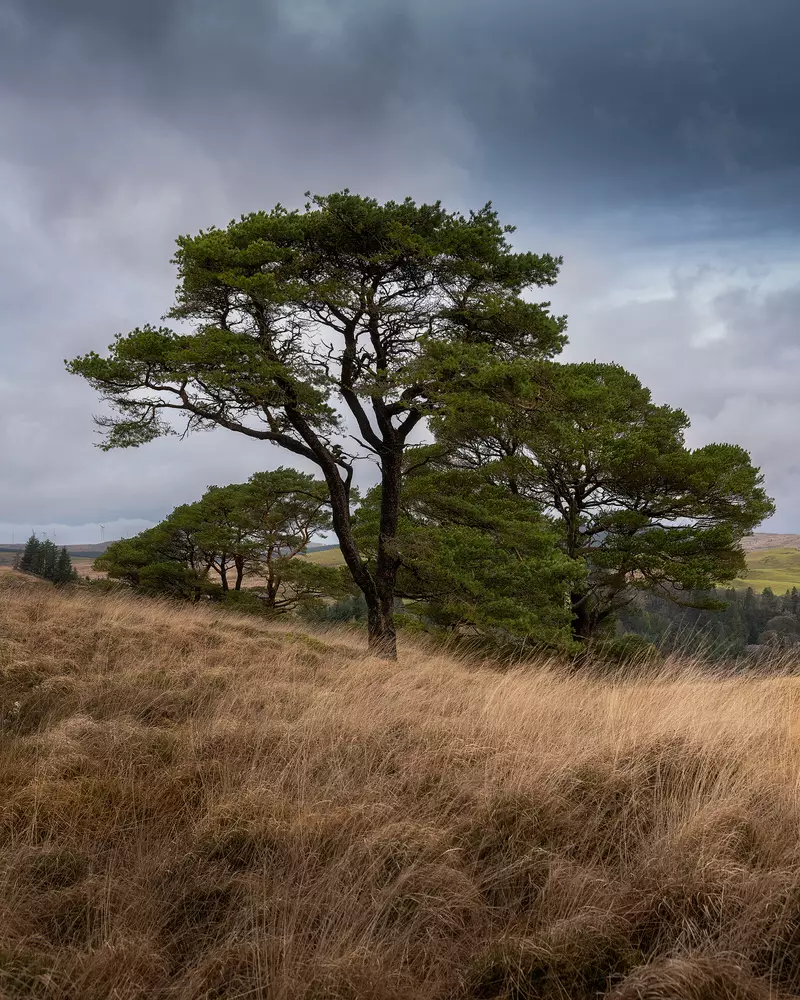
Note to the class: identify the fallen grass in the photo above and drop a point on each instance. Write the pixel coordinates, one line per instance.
(195, 805)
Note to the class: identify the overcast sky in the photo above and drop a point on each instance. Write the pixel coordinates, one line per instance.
(656, 145)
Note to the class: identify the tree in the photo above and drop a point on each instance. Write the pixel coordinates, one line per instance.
(160, 560)
(395, 311)
(215, 532)
(64, 572)
(260, 526)
(285, 509)
(586, 443)
(30, 555)
(782, 631)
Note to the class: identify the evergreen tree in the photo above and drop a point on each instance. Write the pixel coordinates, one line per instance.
(640, 510)
(64, 573)
(29, 555)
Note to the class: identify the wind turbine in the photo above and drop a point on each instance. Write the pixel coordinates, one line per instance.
(102, 533)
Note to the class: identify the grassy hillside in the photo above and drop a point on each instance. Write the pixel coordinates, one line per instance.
(196, 805)
(329, 556)
(778, 568)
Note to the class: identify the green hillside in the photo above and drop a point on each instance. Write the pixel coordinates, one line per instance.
(776, 568)
(328, 556)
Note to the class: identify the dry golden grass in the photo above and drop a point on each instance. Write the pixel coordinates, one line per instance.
(195, 805)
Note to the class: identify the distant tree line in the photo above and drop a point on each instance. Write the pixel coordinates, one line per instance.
(733, 623)
(45, 559)
(546, 497)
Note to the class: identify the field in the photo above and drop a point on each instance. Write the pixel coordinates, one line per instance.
(326, 557)
(778, 568)
(197, 805)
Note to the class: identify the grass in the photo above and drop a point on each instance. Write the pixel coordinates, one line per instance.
(326, 557)
(195, 805)
(778, 568)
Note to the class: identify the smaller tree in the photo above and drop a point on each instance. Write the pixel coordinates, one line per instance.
(586, 444)
(258, 527)
(30, 555)
(64, 572)
(284, 510)
(160, 560)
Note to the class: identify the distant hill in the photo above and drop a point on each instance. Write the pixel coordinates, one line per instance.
(776, 568)
(76, 550)
(765, 540)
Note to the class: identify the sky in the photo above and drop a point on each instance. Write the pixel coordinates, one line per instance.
(656, 146)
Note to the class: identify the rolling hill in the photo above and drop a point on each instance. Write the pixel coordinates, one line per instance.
(777, 568)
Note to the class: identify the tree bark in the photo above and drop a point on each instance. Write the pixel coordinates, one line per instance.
(239, 562)
(381, 630)
(223, 572)
(380, 613)
(581, 620)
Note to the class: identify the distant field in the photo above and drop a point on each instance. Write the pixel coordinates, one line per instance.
(327, 557)
(776, 568)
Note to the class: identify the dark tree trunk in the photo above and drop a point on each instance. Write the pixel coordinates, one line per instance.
(239, 563)
(223, 573)
(581, 619)
(380, 615)
(272, 588)
(377, 588)
(381, 631)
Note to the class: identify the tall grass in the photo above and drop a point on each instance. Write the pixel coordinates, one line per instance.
(194, 805)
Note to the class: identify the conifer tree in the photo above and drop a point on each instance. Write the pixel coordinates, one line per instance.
(64, 573)
(29, 555)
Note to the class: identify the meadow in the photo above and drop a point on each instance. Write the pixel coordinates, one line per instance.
(777, 568)
(200, 805)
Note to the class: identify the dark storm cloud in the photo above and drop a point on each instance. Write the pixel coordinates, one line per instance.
(612, 132)
(638, 99)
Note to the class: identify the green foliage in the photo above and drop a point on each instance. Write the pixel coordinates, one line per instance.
(475, 558)
(44, 559)
(585, 444)
(258, 527)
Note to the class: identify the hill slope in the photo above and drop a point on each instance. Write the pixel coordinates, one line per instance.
(766, 540)
(778, 568)
(198, 805)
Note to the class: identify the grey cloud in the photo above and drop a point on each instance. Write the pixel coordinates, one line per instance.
(730, 358)
(614, 133)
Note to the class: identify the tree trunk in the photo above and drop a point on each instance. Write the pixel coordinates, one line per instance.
(239, 563)
(381, 630)
(223, 572)
(377, 588)
(581, 620)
